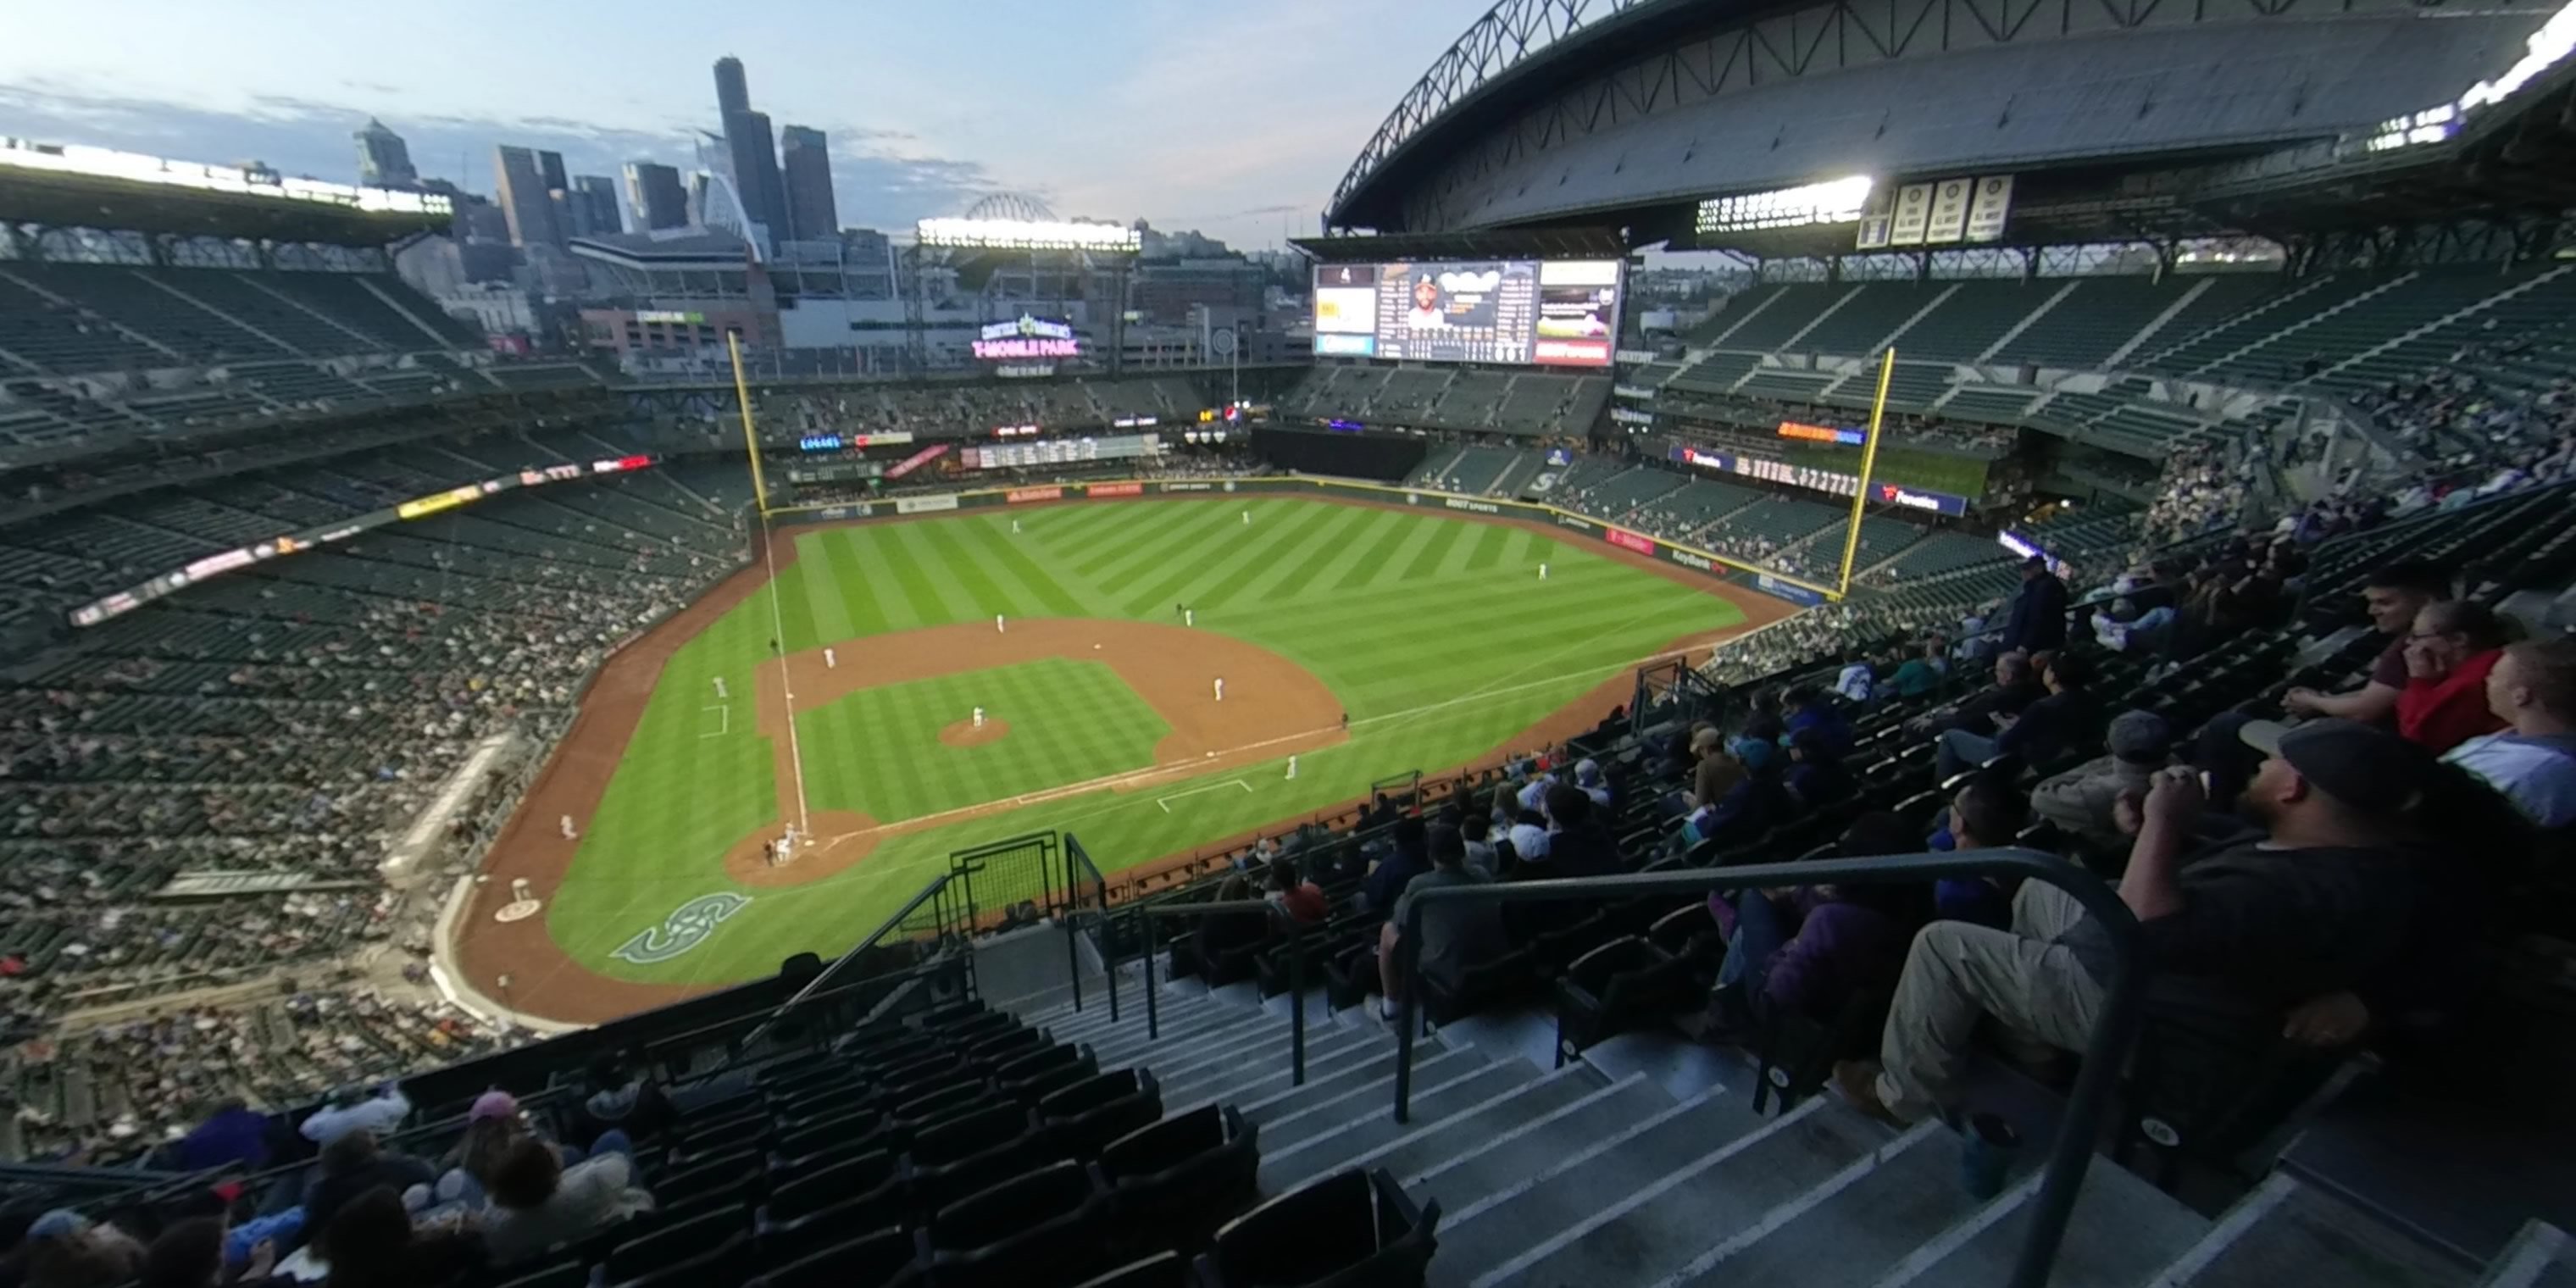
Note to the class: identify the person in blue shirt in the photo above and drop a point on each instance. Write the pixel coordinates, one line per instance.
(1409, 859)
(1803, 710)
(2532, 688)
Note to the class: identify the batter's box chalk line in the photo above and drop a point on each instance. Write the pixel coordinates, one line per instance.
(724, 720)
(1166, 801)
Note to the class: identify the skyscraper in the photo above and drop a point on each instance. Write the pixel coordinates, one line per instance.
(755, 170)
(525, 197)
(654, 192)
(733, 92)
(594, 205)
(550, 165)
(383, 159)
(811, 213)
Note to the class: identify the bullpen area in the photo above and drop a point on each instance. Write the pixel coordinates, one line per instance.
(908, 687)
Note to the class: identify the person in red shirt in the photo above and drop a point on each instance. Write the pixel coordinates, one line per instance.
(2393, 595)
(1303, 900)
(2453, 646)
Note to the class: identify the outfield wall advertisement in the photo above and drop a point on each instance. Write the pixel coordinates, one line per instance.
(1795, 591)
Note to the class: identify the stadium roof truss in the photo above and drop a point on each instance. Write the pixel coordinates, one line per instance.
(1577, 110)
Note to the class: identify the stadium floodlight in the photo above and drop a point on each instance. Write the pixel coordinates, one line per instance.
(1029, 234)
(1835, 201)
(135, 167)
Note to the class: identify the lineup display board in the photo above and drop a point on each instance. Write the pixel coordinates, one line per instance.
(1549, 313)
(1061, 451)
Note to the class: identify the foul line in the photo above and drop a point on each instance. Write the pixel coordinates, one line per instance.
(724, 720)
(1166, 801)
(786, 687)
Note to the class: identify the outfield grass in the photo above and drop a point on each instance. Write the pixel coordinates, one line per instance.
(1434, 633)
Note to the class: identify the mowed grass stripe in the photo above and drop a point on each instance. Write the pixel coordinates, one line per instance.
(1041, 589)
(1492, 541)
(1204, 564)
(1300, 562)
(946, 584)
(1278, 542)
(1139, 564)
(1444, 538)
(1373, 560)
(879, 565)
(1390, 572)
(975, 576)
(1360, 531)
(861, 613)
(1108, 557)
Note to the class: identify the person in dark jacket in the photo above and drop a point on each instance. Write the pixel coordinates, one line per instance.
(2062, 722)
(1816, 776)
(2038, 618)
(1409, 858)
(353, 1165)
(1812, 949)
(233, 1133)
(1805, 710)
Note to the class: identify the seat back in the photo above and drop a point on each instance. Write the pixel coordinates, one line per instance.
(972, 1134)
(1162, 1270)
(829, 1184)
(868, 1259)
(924, 1108)
(1346, 1230)
(672, 1244)
(994, 1214)
(1090, 1093)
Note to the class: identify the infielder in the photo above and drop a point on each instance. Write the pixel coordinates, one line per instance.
(997, 624)
(831, 660)
(1015, 527)
(1292, 766)
(1220, 688)
(1189, 617)
(569, 833)
(1247, 518)
(979, 717)
(787, 842)
(1542, 572)
(720, 693)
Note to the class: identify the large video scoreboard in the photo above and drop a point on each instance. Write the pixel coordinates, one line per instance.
(1550, 313)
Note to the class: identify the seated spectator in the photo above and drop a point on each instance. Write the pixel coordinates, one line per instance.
(2532, 688)
(1220, 933)
(1476, 827)
(2081, 799)
(1587, 776)
(190, 1254)
(1809, 950)
(1816, 775)
(537, 1203)
(2320, 901)
(233, 1133)
(2045, 730)
(2016, 686)
(1712, 771)
(1803, 709)
(1754, 802)
(2393, 596)
(1528, 836)
(2126, 627)
(493, 1127)
(373, 1244)
(352, 1165)
(1455, 936)
(2454, 645)
(1855, 679)
(1987, 814)
(64, 1249)
(1579, 843)
(623, 1098)
(1397, 868)
(1921, 673)
(1299, 898)
(355, 1110)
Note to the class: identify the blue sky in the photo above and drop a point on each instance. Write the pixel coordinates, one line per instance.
(1233, 118)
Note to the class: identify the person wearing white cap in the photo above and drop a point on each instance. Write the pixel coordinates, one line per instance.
(1587, 775)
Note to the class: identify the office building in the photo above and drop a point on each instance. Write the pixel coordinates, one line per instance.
(653, 191)
(551, 167)
(733, 92)
(525, 199)
(384, 160)
(755, 170)
(807, 173)
(594, 206)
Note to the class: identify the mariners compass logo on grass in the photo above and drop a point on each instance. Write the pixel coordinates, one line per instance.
(687, 927)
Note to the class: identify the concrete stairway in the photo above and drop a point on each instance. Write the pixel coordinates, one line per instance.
(1584, 1176)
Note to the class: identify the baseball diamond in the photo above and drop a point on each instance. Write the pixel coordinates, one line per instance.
(1428, 631)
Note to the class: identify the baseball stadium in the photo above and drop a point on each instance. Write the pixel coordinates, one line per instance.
(1809, 644)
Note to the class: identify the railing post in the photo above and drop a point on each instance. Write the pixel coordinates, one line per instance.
(1408, 959)
(1153, 1023)
(1073, 956)
(2105, 1054)
(1296, 1001)
(1108, 954)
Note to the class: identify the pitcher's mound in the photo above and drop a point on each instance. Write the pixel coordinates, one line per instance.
(965, 734)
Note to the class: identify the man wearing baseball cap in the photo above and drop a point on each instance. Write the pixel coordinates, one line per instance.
(2081, 799)
(2318, 902)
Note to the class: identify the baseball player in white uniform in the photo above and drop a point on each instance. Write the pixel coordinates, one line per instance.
(1292, 766)
(1015, 527)
(1189, 617)
(979, 717)
(831, 660)
(997, 624)
(1542, 572)
(1220, 688)
(569, 833)
(720, 690)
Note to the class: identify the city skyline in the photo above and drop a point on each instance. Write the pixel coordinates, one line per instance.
(1186, 113)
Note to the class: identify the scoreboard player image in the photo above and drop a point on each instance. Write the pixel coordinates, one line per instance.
(1448, 297)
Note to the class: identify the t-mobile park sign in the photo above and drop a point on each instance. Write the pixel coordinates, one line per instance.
(1028, 337)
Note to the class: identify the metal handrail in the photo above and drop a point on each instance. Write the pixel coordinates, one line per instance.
(937, 886)
(1074, 875)
(2105, 1052)
(1279, 920)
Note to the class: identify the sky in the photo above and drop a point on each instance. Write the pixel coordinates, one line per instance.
(1232, 118)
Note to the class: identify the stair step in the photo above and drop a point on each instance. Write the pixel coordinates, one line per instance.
(1497, 1214)
(2122, 1233)
(1436, 1095)
(1378, 1140)
(1295, 1114)
(2286, 1232)
(1265, 1072)
(2540, 1256)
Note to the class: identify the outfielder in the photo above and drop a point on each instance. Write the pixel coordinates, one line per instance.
(831, 660)
(1247, 518)
(1015, 527)
(1220, 688)
(1292, 766)
(1542, 572)
(720, 692)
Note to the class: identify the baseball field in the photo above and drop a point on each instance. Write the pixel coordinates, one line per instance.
(842, 698)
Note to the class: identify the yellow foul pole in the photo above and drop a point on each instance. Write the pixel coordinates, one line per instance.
(751, 441)
(1868, 458)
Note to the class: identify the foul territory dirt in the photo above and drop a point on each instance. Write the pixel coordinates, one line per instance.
(1272, 707)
